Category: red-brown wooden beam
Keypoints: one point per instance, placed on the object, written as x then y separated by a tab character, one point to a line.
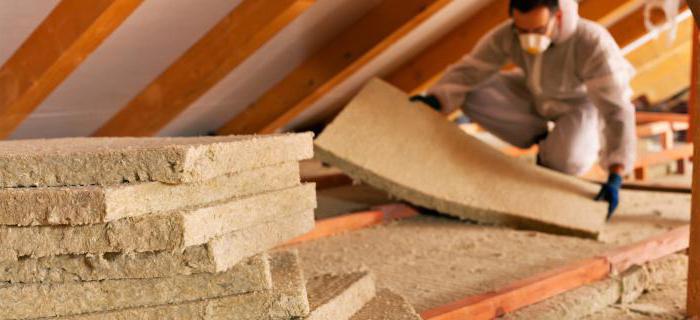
68	35
224	47
693	306
559	280
425	67
355	221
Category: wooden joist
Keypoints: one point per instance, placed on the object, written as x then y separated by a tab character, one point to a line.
328	181
655	187
228	44
645	117
68	35
551	283
665	156
653	248
678	154
427	66
522	293
355	221
341	56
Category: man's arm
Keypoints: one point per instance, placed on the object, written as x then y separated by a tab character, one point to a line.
606	74
487	58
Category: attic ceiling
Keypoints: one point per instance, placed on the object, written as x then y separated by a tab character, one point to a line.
158	32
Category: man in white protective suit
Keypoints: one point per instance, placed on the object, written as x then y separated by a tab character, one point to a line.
570	73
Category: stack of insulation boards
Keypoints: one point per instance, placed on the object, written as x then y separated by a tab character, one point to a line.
155	228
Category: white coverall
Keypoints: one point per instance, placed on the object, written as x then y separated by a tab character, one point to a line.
581	84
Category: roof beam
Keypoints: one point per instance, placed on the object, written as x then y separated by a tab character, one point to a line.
631	27
229	43
609	18
663	72
68	35
655	49
427	66
693	301
358	44
667	77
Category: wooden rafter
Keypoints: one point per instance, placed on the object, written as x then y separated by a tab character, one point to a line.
230	42
427	66
68	35
665	77
631	27
693	306
611	17
654	50
663	71
449	48
358	44
693	99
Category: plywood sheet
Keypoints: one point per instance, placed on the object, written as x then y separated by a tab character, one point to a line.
415	154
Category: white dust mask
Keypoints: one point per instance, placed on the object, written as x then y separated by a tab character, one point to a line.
535	43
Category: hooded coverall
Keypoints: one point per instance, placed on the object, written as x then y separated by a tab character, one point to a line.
581	84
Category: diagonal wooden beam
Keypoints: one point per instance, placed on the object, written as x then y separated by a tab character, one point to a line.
631	27
343	53
229	43
662	71
609	18
427	66
68	35
281	121
449	48
654	50
665	76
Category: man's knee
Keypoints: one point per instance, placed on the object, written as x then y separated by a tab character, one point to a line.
567	162
520	143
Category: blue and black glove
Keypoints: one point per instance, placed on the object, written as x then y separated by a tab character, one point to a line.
431	101
610	192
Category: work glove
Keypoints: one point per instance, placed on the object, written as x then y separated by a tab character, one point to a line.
610	192
430	100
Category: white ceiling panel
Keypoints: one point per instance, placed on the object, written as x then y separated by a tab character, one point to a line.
153	37
269	65
411	44
18	19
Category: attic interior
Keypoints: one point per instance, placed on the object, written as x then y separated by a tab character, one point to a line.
349	159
